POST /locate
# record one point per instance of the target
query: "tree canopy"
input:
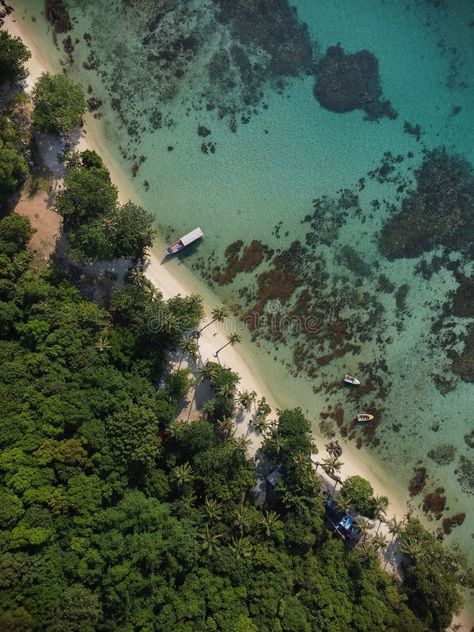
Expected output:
(60, 103)
(98, 228)
(13, 55)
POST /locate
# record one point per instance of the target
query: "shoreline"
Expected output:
(171, 284)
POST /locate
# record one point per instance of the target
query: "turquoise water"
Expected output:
(268, 169)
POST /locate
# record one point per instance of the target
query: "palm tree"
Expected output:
(379, 541)
(411, 547)
(182, 475)
(212, 509)
(241, 518)
(241, 547)
(226, 391)
(136, 276)
(226, 427)
(367, 549)
(208, 408)
(270, 521)
(208, 371)
(380, 505)
(260, 424)
(246, 399)
(294, 502)
(190, 346)
(344, 503)
(174, 429)
(242, 444)
(218, 314)
(102, 344)
(277, 442)
(395, 527)
(169, 323)
(364, 526)
(233, 340)
(331, 465)
(210, 541)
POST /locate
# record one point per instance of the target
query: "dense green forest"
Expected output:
(114, 516)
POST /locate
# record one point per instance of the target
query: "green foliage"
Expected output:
(88, 194)
(113, 516)
(433, 576)
(359, 493)
(15, 233)
(13, 168)
(13, 55)
(60, 103)
(132, 230)
(97, 227)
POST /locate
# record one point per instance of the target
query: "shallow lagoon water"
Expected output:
(269, 171)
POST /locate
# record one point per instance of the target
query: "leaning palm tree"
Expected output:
(212, 509)
(233, 340)
(380, 505)
(241, 547)
(270, 521)
(210, 541)
(218, 314)
(182, 475)
(331, 465)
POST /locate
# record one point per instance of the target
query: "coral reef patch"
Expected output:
(347, 82)
(438, 212)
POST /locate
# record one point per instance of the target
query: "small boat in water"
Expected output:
(364, 417)
(349, 379)
(186, 240)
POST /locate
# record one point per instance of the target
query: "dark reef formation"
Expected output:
(236, 48)
(438, 212)
(272, 26)
(346, 82)
(56, 12)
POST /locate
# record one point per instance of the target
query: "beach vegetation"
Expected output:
(434, 576)
(13, 56)
(98, 227)
(60, 104)
(117, 516)
(13, 165)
